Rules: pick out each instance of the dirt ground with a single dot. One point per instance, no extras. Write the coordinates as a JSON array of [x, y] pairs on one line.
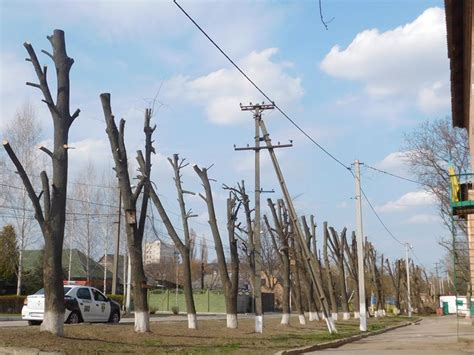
[[211, 337]]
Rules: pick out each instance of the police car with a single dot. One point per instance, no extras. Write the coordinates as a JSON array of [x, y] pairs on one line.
[[82, 304]]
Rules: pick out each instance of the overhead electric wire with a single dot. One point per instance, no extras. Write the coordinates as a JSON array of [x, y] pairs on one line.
[[260, 90], [393, 175]]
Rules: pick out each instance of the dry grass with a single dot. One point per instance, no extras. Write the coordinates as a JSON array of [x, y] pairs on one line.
[[211, 337]]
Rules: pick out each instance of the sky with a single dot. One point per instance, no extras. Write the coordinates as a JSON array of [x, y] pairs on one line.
[[379, 70]]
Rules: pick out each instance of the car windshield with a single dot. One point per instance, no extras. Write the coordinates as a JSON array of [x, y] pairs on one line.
[[41, 292]]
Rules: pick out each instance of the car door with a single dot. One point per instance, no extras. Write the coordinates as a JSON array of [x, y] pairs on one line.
[[84, 299], [100, 307]]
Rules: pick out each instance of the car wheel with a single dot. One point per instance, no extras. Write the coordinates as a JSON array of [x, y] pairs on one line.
[[74, 318], [114, 317], [34, 322]]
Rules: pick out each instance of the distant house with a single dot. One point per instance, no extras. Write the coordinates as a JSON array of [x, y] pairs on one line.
[[82, 268], [107, 261]]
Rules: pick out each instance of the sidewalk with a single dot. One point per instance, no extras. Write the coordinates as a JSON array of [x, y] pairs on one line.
[[433, 335]]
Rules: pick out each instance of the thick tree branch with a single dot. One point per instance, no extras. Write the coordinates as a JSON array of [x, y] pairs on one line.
[[26, 182]]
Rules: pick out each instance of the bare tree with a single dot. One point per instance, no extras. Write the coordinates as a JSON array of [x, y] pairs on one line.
[[83, 194], [314, 305], [395, 275], [229, 278], [329, 278], [375, 276], [23, 132], [282, 246], [186, 249], [135, 227], [298, 265], [430, 149], [352, 268], [336, 244], [203, 253], [52, 215]]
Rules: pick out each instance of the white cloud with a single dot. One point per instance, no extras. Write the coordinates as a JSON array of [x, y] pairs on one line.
[[407, 201], [408, 63], [423, 219], [394, 162], [221, 91]]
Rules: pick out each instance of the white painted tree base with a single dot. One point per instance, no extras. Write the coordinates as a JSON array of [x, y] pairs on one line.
[[322, 316], [142, 322], [259, 324], [285, 319], [334, 316], [302, 319], [331, 326], [356, 315], [192, 321], [232, 321], [346, 316], [313, 316], [53, 323]]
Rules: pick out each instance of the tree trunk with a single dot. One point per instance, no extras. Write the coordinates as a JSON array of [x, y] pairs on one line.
[[135, 225], [51, 217], [188, 290], [331, 291], [230, 286]]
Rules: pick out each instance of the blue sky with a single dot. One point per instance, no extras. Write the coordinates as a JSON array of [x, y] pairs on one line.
[[379, 70]]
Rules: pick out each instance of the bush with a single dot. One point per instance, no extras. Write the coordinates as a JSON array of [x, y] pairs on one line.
[[116, 298], [11, 304], [175, 309]]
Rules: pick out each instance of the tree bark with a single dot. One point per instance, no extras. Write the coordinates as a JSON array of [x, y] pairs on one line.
[[52, 216], [281, 228], [229, 282], [134, 226], [183, 248], [331, 291]]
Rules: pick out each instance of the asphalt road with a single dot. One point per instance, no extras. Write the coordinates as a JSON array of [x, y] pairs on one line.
[[433, 335]]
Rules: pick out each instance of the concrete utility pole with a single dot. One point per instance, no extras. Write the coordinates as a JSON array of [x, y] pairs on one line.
[[360, 250], [256, 245], [309, 258], [437, 279], [117, 247], [407, 248]]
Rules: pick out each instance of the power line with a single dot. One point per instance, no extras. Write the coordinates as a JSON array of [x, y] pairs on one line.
[[394, 175], [375, 212], [260, 90]]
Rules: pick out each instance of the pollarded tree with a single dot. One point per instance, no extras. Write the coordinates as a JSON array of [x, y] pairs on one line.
[[282, 246], [229, 278], [336, 244], [51, 216], [134, 225], [329, 276], [186, 248]]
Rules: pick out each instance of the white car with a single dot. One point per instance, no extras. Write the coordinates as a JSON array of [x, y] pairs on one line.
[[82, 304]]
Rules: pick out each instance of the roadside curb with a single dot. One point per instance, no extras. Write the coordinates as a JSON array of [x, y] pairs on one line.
[[339, 342]]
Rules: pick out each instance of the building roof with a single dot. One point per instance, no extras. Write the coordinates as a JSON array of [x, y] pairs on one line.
[[459, 29], [78, 264]]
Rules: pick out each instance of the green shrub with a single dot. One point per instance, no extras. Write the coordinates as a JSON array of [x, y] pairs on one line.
[[116, 298], [11, 304]]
